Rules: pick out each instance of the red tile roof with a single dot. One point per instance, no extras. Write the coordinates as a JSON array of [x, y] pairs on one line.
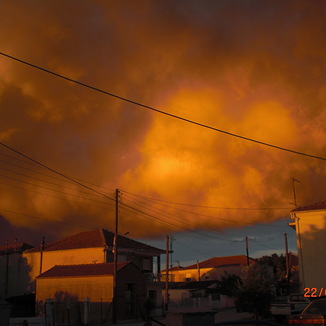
[[82, 270], [17, 247], [317, 206], [221, 262], [95, 239]]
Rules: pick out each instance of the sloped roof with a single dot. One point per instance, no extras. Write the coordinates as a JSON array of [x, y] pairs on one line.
[[312, 207], [95, 239], [176, 268], [221, 261], [82, 270], [11, 248]]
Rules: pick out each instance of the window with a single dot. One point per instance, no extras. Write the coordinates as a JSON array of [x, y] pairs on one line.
[[188, 277]]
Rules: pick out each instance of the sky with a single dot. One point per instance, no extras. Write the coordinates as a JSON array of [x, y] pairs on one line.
[[250, 68]]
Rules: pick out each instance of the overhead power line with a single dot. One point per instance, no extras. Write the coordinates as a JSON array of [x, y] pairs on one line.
[[228, 220], [56, 172], [161, 111], [155, 200], [170, 223], [47, 219]]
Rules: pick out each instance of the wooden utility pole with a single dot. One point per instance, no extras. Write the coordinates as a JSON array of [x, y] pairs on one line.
[[171, 253], [286, 256], [115, 258], [41, 255], [167, 274]]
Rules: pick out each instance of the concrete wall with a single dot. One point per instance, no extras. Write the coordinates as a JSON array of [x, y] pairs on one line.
[[311, 234], [75, 288]]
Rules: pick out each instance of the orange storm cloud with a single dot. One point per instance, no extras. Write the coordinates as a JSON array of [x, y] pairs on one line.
[[254, 69]]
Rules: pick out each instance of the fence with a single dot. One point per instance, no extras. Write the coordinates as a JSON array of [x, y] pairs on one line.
[[192, 304], [202, 303], [69, 313]]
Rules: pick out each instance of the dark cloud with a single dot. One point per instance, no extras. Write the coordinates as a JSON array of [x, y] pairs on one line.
[[249, 67]]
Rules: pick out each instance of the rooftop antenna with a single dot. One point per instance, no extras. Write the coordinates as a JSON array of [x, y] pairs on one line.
[[294, 194]]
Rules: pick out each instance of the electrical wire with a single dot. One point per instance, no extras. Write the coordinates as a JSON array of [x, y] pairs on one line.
[[59, 197], [47, 219], [128, 194], [33, 171], [173, 224], [61, 187], [164, 212], [213, 207], [212, 217], [56, 172], [161, 111], [89, 188]]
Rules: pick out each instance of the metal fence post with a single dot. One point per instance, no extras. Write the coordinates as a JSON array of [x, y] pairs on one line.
[[87, 311]]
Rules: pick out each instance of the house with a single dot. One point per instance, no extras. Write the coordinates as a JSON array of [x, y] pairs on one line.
[[309, 223], [14, 270], [95, 247], [69, 285], [210, 269], [92, 247]]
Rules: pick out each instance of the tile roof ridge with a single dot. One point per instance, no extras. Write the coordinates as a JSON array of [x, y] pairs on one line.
[[217, 259], [93, 264], [46, 246], [321, 205], [49, 245]]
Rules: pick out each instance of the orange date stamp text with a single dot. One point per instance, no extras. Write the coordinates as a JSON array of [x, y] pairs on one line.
[[314, 292]]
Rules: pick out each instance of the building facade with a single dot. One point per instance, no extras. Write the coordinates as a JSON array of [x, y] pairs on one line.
[[70, 285], [309, 223], [92, 247], [211, 269]]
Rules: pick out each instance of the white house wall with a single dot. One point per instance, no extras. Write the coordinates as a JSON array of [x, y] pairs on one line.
[[311, 243]]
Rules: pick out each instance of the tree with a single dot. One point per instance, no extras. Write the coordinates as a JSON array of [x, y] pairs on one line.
[[229, 284], [254, 293]]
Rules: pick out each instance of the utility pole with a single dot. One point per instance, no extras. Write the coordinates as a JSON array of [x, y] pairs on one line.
[[247, 251], [41, 254], [115, 258], [167, 274], [286, 256], [171, 252]]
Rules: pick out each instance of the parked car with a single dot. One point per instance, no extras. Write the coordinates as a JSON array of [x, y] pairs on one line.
[[294, 304], [313, 314]]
